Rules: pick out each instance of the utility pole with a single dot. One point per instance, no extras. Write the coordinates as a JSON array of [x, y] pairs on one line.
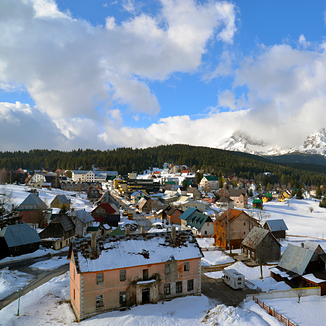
[[228, 228]]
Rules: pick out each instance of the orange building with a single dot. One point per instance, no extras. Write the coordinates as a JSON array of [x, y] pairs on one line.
[[111, 273], [233, 225]]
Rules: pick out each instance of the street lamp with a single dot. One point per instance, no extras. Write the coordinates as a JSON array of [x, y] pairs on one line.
[[18, 300], [51, 252]]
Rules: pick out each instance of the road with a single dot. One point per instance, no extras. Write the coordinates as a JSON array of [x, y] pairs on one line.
[[41, 276], [220, 293]]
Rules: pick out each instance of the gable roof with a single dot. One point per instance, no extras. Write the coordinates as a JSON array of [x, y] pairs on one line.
[[231, 214], [34, 199], [19, 234], [65, 221], [276, 225], [62, 198], [109, 208], [197, 220], [83, 216], [296, 259], [119, 251], [211, 177], [315, 246], [188, 212], [237, 192], [256, 236]]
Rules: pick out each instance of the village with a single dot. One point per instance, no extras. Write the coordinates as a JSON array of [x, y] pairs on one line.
[[228, 245]]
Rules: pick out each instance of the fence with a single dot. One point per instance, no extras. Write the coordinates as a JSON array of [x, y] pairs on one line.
[[274, 313]]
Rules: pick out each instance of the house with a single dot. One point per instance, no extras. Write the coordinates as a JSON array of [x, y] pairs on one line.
[[232, 227], [185, 215], [257, 203], [32, 211], [60, 201], [239, 197], [297, 262], [18, 239], [82, 221], [201, 224], [94, 193], [209, 183], [137, 195], [116, 272], [106, 213], [182, 191], [277, 227], [193, 193], [173, 216], [261, 246], [59, 232], [225, 202]]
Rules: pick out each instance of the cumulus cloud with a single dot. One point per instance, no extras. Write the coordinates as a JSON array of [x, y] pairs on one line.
[[66, 64]]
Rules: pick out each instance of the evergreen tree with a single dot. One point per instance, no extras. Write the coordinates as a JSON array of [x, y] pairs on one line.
[[318, 192]]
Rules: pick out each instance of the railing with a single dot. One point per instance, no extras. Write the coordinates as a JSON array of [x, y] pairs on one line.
[[274, 313], [253, 285]]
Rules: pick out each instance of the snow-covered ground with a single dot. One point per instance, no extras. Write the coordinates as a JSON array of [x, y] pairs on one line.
[[215, 258], [48, 305], [12, 281], [54, 263]]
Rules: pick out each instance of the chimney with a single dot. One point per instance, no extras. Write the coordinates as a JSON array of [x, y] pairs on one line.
[[173, 234], [93, 240], [142, 230], [302, 245], [127, 231]]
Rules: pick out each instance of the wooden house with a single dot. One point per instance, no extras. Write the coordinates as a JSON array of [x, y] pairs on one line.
[[106, 213], [60, 201], [239, 197], [232, 227], [59, 232], [173, 216], [116, 272], [18, 239], [82, 221], [277, 227], [261, 246], [299, 261]]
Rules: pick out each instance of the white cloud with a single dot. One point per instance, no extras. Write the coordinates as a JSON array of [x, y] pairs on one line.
[[66, 64]]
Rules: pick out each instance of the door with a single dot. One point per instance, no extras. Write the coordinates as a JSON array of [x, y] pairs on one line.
[[145, 296]]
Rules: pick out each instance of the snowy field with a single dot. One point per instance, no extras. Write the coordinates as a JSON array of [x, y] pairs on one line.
[[297, 216]]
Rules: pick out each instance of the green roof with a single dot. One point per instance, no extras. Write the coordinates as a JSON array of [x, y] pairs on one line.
[[117, 231], [197, 220], [211, 177], [256, 201], [170, 183]]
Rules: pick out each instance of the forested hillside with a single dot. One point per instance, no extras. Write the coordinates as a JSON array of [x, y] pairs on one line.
[[125, 160]]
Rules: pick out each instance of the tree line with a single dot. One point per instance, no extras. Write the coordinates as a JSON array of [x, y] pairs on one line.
[[211, 160]]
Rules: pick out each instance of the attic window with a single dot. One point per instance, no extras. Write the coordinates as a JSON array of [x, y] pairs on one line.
[[123, 275]]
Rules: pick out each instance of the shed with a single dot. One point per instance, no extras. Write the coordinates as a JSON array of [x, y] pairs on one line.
[[277, 227]]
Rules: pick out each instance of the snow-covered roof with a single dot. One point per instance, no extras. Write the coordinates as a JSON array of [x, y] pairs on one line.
[[313, 278], [83, 216], [133, 250]]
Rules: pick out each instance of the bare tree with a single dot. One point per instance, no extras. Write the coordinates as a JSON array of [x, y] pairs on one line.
[[3, 176], [300, 294]]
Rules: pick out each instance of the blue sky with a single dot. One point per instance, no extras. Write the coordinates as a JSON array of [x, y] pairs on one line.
[[106, 74]]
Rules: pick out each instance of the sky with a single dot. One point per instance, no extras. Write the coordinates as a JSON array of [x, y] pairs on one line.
[[105, 74]]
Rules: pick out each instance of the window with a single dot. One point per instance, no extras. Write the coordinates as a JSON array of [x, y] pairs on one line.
[[167, 269], [74, 273], [74, 294], [99, 278], [16, 248], [186, 266], [99, 301], [167, 289], [123, 297], [145, 274], [122, 275], [244, 223], [205, 232], [179, 287], [190, 285]]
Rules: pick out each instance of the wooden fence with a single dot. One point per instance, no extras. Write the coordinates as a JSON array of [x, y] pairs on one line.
[[274, 313]]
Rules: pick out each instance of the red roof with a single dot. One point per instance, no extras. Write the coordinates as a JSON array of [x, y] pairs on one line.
[[107, 207]]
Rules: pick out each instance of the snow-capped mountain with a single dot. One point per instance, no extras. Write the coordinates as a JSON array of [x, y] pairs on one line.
[[314, 144]]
